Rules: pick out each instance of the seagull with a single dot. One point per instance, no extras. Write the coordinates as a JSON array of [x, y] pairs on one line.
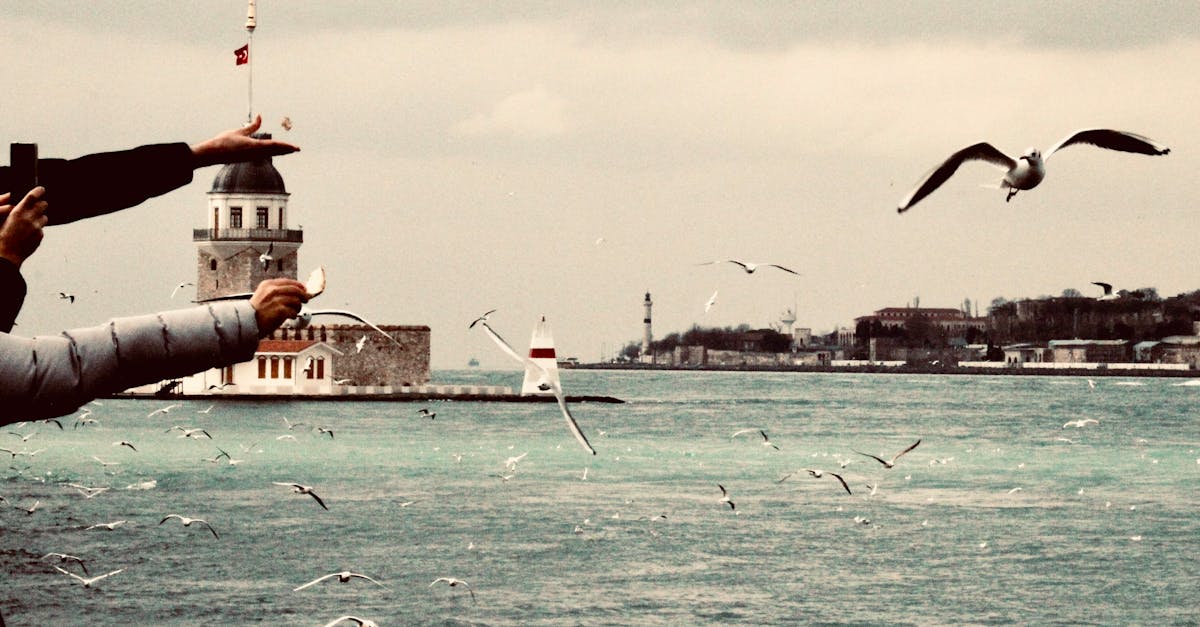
[[725, 497], [482, 318], [306, 316], [712, 300], [511, 463], [29, 510], [342, 577], [179, 287], [187, 522], [125, 443], [110, 526], [1081, 423], [558, 392], [303, 489], [89, 492], [358, 346], [766, 440], [454, 582], [892, 462], [84, 420], [66, 296], [64, 558], [1026, 171], [750, 267], [425, 413], [189, 433], [88, 581], [324, 431], [1109, 295], [290, 425], [163, 410], [205, 411], [362, 622], [24, 437], [817, 475], [266, 257]]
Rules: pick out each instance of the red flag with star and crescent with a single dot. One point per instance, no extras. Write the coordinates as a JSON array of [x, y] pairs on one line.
[[242, 54]]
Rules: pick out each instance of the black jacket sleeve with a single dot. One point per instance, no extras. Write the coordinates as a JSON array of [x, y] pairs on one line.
[[12, 294], [105, 182]]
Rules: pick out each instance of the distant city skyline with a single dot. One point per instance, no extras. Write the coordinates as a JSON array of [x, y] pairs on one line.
[[562, 159]]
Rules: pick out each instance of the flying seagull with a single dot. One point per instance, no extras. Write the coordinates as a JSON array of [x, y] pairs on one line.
[[750, 267], [179, 287], [87, 581], [342, 577], [712, 300], [67, 297], [545, 381], [817, 474], [1083, 422], [1026, 171], [303, 489], [453, 583], [266, 257], [766, 440], [110, 526], [187, 522], [482, 318], [64, 558], [425, 413], [890, 462], [725, 497], [361, 622]]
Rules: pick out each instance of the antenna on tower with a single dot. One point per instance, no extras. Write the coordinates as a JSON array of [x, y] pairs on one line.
[[250, 25]]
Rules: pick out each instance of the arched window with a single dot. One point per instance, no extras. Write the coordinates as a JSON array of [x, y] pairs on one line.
[[212, 264]]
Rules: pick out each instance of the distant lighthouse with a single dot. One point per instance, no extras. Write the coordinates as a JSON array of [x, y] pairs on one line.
[[647, 334]]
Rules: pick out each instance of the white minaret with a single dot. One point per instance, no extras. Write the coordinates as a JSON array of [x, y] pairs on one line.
[[647, 334]]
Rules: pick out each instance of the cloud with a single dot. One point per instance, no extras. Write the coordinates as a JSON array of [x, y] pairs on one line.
[[534, 113]]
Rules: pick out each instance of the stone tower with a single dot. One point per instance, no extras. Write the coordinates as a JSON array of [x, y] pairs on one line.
[[246, 218]]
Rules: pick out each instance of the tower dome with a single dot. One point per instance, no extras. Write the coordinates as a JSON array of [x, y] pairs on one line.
[[252, 177]]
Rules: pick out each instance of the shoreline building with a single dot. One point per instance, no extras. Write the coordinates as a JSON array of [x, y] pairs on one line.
[[246, 240]]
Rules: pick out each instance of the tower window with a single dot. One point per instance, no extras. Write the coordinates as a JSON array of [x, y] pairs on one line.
[[281, 220], [279, 265], [235, 217], [212, 265], [261, 218]]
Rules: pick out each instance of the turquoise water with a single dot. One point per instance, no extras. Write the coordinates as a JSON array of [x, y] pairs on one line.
[[992, 519]]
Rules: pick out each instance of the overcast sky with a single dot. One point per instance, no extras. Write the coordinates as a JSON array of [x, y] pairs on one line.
[[465, 156]]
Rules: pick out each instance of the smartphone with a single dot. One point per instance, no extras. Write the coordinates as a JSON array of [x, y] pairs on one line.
[[22, 171]]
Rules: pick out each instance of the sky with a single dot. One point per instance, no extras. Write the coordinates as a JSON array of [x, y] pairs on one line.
[[459, 157]]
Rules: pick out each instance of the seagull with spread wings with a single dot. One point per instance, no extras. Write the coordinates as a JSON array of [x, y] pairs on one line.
[[749, 267], [889, 463], [546, 382], [343, 577], [1026, 171]]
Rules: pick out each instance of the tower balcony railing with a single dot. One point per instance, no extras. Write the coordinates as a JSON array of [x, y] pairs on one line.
[[259, 235]]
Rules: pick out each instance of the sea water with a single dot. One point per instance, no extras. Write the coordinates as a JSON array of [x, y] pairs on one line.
[[1001, 515]]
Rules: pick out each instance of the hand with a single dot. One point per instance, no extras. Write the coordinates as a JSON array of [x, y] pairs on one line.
[[238, 145], [276, 301], [21, 231]]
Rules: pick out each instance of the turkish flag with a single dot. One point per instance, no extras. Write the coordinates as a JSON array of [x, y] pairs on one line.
[[242, 54]]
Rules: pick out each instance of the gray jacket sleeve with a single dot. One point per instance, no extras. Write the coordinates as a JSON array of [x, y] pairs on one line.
[[49, 376]]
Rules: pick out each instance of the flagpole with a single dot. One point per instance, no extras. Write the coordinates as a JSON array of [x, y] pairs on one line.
[[250, 25]]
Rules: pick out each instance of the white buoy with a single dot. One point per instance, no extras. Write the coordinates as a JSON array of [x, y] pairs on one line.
[[541, 352]]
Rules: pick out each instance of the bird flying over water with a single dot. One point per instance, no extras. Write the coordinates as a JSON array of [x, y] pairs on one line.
[[1026, 171], [766, 440], [362, 622], [187, 522], [749, 267], [303, 489], [87, 581], [1083, 422], [890, 462], [63, 558], [725, 497], [454, 583], [343, 577], [545, 377]]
